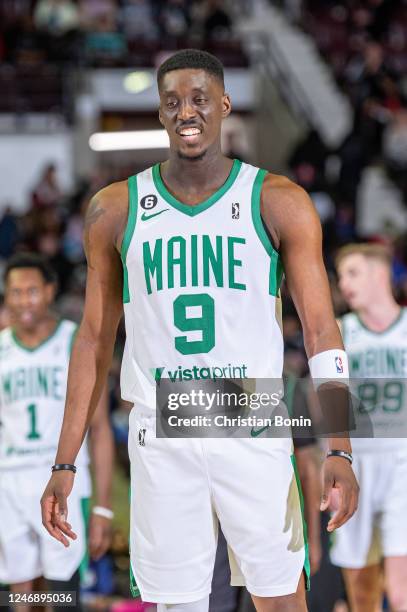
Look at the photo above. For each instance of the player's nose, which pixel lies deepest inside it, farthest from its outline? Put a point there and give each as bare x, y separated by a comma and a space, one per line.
185, 111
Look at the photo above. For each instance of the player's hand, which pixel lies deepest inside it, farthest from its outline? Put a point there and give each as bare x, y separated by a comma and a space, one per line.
340, 491
54, 506
100, 535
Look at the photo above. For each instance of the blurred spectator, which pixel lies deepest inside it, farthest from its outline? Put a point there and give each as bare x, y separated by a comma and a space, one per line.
395, 150
136, 17
23, 43
8, 233
217, 24
47, 192
174, 19
92, 10
56, 17
105, 45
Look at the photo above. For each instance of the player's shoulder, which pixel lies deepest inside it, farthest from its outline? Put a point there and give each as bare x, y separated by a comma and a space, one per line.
110, 197
287, 209
107, 213
280, 187
286, 200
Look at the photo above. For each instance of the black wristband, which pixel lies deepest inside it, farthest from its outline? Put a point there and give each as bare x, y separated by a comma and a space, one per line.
340, 453
63, 466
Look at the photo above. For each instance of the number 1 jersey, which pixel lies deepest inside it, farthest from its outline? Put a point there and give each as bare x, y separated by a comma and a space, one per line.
32, 397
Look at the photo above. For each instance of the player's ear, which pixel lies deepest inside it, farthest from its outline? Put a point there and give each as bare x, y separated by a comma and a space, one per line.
226, 106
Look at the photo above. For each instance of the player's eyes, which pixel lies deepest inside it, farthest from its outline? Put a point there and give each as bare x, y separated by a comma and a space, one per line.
200, 100
171, 104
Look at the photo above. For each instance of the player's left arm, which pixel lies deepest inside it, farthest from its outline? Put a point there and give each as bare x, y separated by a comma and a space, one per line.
102, 457
294, 225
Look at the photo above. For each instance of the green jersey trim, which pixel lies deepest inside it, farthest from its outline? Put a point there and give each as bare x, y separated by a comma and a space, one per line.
276, 268
307, 566
385, 331
198, 208
32, 349
128, 233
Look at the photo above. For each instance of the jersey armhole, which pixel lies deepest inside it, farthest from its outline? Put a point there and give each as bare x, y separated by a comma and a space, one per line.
129, 231
276, 267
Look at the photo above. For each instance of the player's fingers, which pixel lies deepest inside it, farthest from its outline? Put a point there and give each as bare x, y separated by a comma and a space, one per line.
61, 505
47, 506
343, 513
352, 492
327, 485
59, 520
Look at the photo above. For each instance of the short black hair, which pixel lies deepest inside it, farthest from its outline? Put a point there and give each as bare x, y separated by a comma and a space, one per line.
192, 58
31, 260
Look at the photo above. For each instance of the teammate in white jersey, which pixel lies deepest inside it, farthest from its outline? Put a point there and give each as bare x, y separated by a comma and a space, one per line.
34, 357
374, 542
184, 245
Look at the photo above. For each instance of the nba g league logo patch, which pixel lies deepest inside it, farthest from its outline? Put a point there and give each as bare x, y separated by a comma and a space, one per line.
235, 210
149, 201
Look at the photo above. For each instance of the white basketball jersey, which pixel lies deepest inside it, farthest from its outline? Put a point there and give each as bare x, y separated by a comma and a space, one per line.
201, 286
378, 369
32, 397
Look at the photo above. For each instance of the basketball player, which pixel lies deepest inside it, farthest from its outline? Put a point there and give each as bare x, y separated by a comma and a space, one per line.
34, 357
199, 279
375, 337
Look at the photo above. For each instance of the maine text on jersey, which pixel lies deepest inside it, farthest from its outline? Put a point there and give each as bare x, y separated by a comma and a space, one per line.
32, 382
193, 262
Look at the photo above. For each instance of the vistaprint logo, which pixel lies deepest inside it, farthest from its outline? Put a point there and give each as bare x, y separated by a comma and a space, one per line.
198, 373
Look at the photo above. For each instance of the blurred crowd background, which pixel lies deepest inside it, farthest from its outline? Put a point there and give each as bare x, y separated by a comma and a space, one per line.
328, 109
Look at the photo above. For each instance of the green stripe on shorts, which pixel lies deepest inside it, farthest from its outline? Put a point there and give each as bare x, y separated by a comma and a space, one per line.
85, 507
307, 568
135, 591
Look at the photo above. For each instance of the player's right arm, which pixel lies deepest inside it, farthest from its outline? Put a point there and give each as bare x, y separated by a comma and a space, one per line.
93, 347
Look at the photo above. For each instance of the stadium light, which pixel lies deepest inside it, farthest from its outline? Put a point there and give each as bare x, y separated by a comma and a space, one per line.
136, 82
127, 141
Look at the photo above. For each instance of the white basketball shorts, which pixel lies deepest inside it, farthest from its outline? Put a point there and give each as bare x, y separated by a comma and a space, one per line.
376, 530
181, 488
26, 548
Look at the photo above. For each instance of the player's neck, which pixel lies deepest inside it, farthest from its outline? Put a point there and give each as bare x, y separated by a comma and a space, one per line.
33, 338
380, 315
196, 176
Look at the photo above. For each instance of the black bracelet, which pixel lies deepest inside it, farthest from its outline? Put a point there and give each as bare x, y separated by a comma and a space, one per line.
340, 453
63, 466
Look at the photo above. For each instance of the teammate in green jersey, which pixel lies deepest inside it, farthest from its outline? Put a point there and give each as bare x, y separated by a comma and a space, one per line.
372, 547
34, 358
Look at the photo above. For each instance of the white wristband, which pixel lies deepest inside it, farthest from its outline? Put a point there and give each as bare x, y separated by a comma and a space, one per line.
329, 365
101, 511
